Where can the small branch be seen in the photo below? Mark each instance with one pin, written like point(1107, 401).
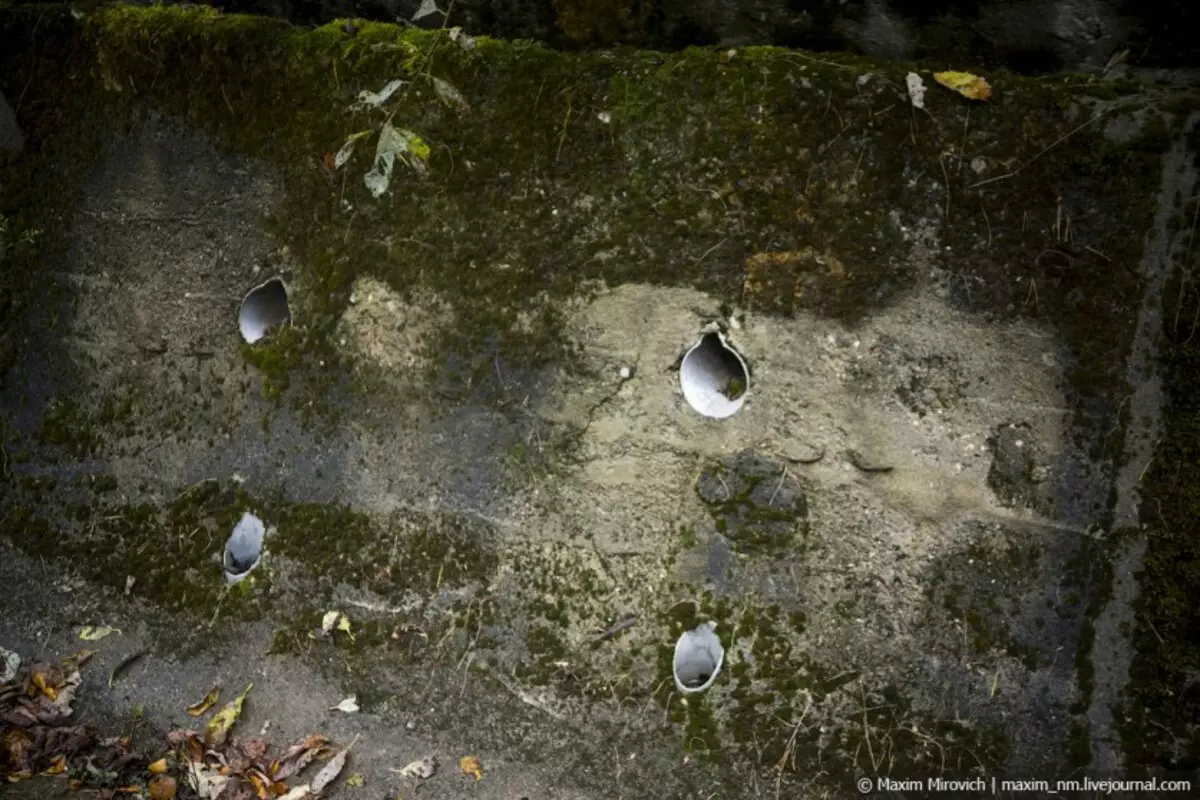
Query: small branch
point(1040, 153)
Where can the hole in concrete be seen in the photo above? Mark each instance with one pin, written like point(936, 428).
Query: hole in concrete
point(714, 377)
point(244, 547)
point(264, 307)
point(698, 658)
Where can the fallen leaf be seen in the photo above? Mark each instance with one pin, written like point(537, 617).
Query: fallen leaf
point(422, 768)
point(969, 86)
point(339, 161)
point(219, 726)
point(330, 771)
point(158, 767)
point(262, 785)
point(331, 617)
point(66, 692)
point(254, 749)
point(450, 95)
point(344, 626)
point(207, 782)
point(356, 781)
point(470, 766)
point(916, 90)
point(210, 700)
point(395, 143)
point(90, 634)
point(349, 705)
point(329, 161)
point(376, 99)
point(297, 757)
point(296, 793)
point(39, 680)
point(58, 765)
point(162, 788)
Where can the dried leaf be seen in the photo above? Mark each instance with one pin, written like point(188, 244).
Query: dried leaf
point(207, 782)
point(339, 161)
point(297, 757)
point(916, 90)
point(58, 765)
point(376, 99)
point(331, 617)
point(220, 725)
point(253, 749)
point(330, 771)
point(422, 768)
point(470, 765)
point(969, 86)
point(39, 680)
point(90, 634)
point(162, 788)
point(450, 95)
point(356, 781)
point(261, 784)
point(297, 793)
point(395, 143)
point(66, 692)
point(210, 700)
point(349, 705)
point(158, 767)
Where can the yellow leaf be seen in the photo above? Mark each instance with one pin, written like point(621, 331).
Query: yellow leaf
point(39, 680)
point(470, 766)
point(970, 86)
point(57, 766)
point(220, 725)
point(158, 767)
point(210, 700)
point(356, 781)
point(344, 626)
point(23, 775)
point(90, 634)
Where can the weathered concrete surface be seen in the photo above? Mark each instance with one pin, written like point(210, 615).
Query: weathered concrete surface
point(454, 380)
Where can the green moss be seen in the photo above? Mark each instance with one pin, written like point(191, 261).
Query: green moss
point(67, 425)
point(1159, 722)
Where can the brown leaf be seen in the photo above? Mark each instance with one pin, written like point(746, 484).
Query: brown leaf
point(253, 749)
point(330, 771)
point(261, 784)
point(162, 788)
point(297, 757)
point(23, 775)
point(208, 701)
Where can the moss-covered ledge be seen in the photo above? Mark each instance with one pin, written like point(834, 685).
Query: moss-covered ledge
point(548, 171)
